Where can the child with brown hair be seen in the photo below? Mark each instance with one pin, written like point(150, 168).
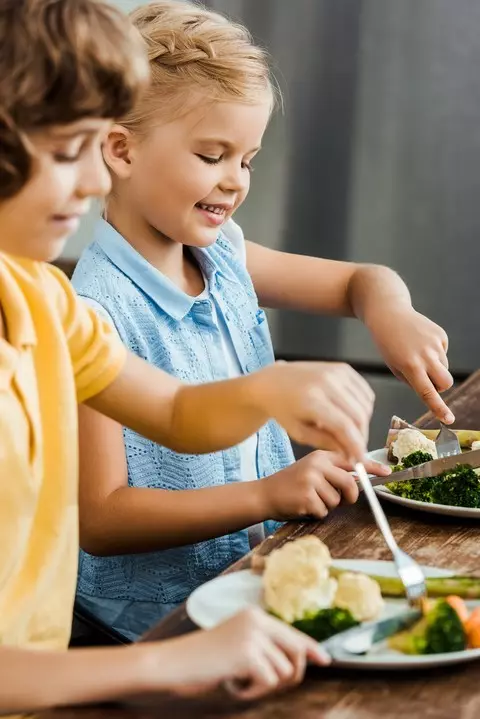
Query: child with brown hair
point(172, 273)
point(66, 68)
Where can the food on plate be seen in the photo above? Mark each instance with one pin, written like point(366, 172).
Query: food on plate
point(302, 588)
point(458, 487)
point(440, 630)
point(460, 607)
point(463, 586)
point(360, 594)
point(472, 628)
point(411, 441)
point(466, 437)
point(296, 579)
point(299, 588)
point(413, 460)
point(325, 623)
point(409, 447)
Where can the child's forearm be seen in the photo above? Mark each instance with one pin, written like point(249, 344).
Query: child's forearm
point(187, 418)
point(372, 286)
point(34, 680)
point(207, 417)
point(248, 647)
point(132, 519)
point(313, 284)
point(318, 404)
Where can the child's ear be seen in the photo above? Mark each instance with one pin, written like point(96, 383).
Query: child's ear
point(117, 151)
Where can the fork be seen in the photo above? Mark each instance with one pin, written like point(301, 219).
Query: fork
point(447, 443)
point(408, 570)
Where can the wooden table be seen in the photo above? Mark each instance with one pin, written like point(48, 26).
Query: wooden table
point(339, 694)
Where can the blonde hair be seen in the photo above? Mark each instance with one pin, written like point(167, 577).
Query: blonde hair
point(194, 52)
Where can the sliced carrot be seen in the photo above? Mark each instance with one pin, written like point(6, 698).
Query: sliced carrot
point(460, 607)
point(473, 636)
point(474, 617)
point(472, 628)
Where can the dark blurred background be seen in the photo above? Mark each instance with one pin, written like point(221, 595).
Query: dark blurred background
point(376, 159)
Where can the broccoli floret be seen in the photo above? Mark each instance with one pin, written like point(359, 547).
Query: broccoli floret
point(325, 623)
point(439, 630)
point(416, 458)
point(413, 460)
point(418, 489)
point(459, 487)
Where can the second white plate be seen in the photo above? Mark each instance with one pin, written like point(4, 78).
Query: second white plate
point(380, 455)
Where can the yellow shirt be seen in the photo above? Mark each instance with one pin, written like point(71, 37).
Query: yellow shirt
point(58, 353)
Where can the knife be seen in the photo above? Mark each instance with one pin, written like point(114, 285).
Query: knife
point(359, 640)
point(430, 469)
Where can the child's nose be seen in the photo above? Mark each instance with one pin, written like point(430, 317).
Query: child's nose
point(236, 179)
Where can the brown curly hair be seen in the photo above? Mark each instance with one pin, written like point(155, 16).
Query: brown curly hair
point(61, 61)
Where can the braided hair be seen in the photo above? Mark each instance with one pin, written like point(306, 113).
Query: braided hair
point(196, 52)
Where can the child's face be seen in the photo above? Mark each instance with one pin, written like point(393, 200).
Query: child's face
point(188, 176)
point(67, 171)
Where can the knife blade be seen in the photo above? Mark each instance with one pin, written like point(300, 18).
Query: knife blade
point(430, 469)
point(359, 640)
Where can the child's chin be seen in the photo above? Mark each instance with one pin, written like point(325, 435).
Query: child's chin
point(51, 251)
point(205, 239)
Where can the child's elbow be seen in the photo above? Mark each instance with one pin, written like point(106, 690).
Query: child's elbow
point(94, 547)
point(94, 541)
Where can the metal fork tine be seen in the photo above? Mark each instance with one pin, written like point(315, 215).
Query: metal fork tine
point(447, 442)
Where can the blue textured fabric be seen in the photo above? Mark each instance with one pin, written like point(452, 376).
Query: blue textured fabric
point(177, 333)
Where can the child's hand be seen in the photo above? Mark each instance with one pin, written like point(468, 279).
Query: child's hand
point(321, 404)
point(312, 486)
point(415, 349)
point(251, 654)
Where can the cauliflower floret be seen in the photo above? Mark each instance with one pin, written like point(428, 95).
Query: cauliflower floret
point(411, 440)
point(303, 550)
point(361, 595)
point(296, 579)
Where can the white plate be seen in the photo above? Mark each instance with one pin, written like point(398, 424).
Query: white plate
point(228, 594)
point(380, 455)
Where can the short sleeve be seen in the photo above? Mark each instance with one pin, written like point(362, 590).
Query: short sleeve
point(234, 234)
point(100, 310)
point(97, 352)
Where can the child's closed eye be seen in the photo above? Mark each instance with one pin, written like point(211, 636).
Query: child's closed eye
point(73, 150)
point(61, 157)
point(216, 160)
point(210, 160)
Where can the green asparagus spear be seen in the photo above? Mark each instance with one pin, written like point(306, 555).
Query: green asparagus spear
point(462, 586)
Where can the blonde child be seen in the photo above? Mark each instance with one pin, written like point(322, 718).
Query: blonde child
point(66, 68)
point(170, 270)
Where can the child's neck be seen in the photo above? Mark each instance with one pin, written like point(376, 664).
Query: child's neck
point(171, 258)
